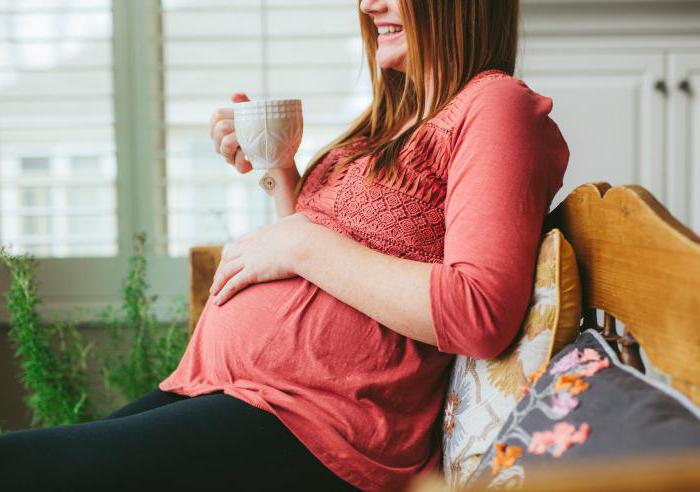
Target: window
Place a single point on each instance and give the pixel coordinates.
(56, 100)
(38, 165)
(104, 110)
(268, 49)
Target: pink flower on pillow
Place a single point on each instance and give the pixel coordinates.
(566, 363)
(566, 435)
(563, 403)
(540, 442)
(559, 439)
(592, 367)
(589, 354)
(575, 358)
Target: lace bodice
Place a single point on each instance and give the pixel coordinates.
(403, 217)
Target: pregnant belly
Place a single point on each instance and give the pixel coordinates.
(294, 329)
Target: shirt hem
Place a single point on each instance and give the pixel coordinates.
(441, 339)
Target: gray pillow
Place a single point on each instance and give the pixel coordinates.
(619, 413)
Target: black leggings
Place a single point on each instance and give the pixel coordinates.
(166, 441)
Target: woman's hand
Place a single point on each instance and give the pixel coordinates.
(264, 254)
(223, 134)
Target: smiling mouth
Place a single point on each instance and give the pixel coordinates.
(386, 30)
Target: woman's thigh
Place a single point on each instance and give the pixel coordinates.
(149, 401)
(212, 440)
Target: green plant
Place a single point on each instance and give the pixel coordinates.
(52, 357)
(155, 349)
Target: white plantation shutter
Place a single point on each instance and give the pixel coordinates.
(104, 110)
(269, 49)
(58, 166)
(57, 151)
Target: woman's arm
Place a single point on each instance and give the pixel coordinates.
(391, 290)
(279, 184)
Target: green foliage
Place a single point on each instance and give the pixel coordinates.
(52, 357)
(152, 355)
(140, 352)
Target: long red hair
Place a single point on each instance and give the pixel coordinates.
(449, 42)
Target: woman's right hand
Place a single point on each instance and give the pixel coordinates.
(223, 134)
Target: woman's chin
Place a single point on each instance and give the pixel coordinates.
(391, 64)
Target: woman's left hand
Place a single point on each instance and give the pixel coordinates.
(264, 254)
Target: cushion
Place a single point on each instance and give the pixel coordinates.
(587, 405)
(482, 393)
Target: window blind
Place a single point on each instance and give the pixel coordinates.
(308, 49)
(57, 153)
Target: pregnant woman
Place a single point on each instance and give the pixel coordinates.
(323, 353)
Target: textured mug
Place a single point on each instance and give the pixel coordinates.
(269, 131)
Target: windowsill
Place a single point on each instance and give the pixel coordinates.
(87, 313)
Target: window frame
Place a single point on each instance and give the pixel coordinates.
(78, 288)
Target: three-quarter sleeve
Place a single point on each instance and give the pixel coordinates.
(507, 162)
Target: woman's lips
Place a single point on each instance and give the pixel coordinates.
(390, 36)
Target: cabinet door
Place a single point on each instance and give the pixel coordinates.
(609, 111)
(683, 149)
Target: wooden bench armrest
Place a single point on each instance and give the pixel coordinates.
(203, 262)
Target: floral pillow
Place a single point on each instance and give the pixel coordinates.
(481, 392)
(586, 405)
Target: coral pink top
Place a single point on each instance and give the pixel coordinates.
(470, 198)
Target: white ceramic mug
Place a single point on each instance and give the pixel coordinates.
(269, 131)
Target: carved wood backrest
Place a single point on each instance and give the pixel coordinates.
(637, 263)
(640, 266)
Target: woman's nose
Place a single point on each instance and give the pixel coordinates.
(372, 6)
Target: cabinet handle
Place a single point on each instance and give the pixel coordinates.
(661, 86)
(684, 86)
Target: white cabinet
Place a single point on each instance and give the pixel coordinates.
(683, 150)
(624, 76)
(610, 113)
(628, 117)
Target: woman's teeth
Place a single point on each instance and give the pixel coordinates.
(389, 29)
